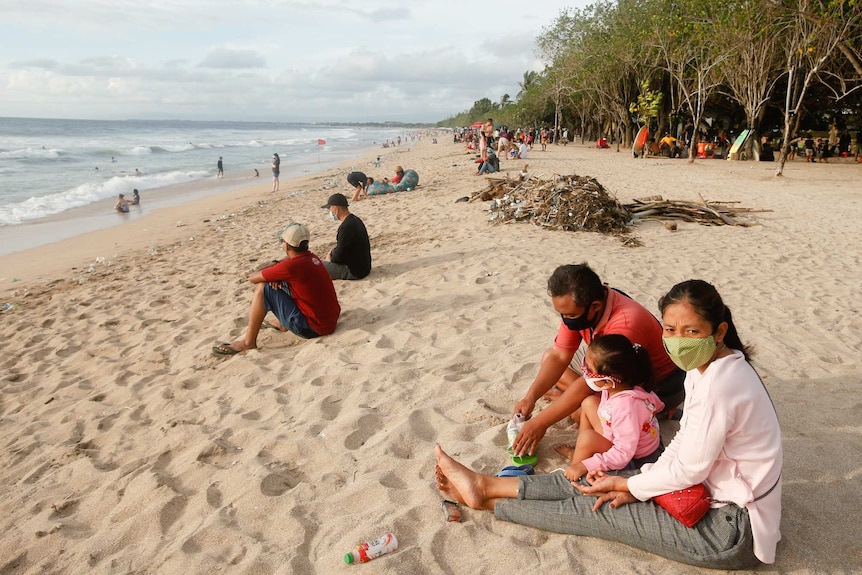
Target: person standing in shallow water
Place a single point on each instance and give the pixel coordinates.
(276, 168)
(220, 167)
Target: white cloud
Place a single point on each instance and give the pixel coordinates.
(233, 59)
(255, 59)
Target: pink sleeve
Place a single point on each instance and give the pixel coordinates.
(626, 434)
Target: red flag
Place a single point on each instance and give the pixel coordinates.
(321, 142)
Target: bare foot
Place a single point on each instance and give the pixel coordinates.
(567, 450)
(445, 487)
(458, 482)
(552, 394)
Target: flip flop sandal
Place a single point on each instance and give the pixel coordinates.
(516, 470)
(224, 349)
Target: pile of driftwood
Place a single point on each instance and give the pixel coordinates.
(568, 203)
(575, 203)
(707, 213)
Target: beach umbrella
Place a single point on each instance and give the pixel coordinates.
(476, 125)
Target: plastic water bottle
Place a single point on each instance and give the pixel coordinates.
(513, 428)
(365, 552)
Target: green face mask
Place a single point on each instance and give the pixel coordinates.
(689, 353)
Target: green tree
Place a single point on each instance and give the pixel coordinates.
(682, 37)
(816, 32)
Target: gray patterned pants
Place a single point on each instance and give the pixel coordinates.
(721, 540)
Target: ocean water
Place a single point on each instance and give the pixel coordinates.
(49, 166)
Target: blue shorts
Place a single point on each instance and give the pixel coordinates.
(279, 302)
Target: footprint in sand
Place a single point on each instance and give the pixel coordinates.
(367, 426)
(330, 407)
(214, 496)
(172, 511)
(278, 483)
(421, 427)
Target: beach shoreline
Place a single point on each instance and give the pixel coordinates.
(96, 231)
(129, 447)
(98, 215)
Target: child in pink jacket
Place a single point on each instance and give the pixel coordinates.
(618, 428)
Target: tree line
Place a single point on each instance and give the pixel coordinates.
(769, 66)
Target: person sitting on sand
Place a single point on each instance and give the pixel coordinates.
(136, 197)
(588, 309)
(399, 174)
(618, 428)
(490, 165)
(360, 183)
(669, 146)
(729, 440)
(350, 259)
(297, 290)
(122, 206)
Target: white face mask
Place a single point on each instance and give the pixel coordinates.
(597, 381)
(333, 217)
(593, 383)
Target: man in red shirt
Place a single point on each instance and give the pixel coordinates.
(588, 309)
(297, 290)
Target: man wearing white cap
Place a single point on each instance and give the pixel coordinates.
(297, 290)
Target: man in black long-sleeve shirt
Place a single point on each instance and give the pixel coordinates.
(350, 259)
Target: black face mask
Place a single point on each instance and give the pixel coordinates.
(578, 323)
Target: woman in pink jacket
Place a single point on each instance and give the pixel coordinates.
(729, 440)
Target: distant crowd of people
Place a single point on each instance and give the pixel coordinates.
(491, 144)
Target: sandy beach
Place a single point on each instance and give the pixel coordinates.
(127, 447)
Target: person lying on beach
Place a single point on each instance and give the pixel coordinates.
(729, 440)
(297, 290)
(588, 308)
(122, 206)
(350, 259)
(360, 183)
(618, 429)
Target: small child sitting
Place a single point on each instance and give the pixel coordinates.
(618, 428)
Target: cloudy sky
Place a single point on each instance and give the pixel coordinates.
(311, 60)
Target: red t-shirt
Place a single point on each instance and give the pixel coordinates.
(622, 316)
(311, 289)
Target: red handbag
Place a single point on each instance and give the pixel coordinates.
(687, 505)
